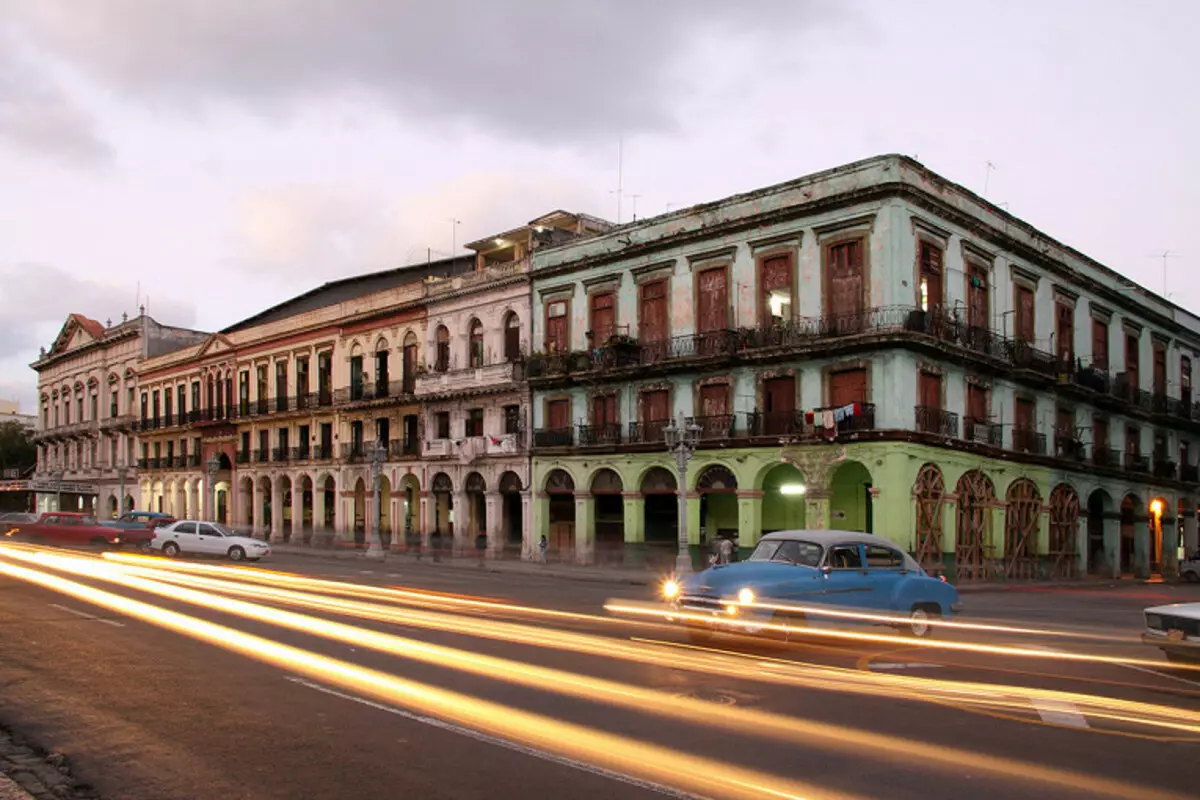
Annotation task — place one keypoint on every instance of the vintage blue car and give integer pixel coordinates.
(813, 578)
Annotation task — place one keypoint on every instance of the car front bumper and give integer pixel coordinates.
(1187, 646)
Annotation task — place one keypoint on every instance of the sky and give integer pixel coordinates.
(210, 158)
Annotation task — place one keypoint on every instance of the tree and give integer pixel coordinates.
(17, 450)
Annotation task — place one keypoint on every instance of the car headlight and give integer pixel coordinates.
(670, 590)
(746, 597)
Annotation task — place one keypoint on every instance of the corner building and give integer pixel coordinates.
(871, 348)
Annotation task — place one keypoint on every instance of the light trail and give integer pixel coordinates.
(610, 751)
(733, 624)
(694, 712)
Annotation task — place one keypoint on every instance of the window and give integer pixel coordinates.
(243, 393)
(281, 439)
(978, 297)
(1065, 423)
(95, 407)
(1185, 454)
(1185, 382)
(302, 440)
(245, 448)
(604, 410)
(883, 558)
(775, 277)
(845, 294)
(281, 381)
(558, 415)
(1064, 332)
(442, 349)
(1099, 343)
(185, 528)
(325, 378)
(301, 376)
(652, 316)
(931, 284)
(356, 377)
(557, 332)
(181, 400)
(1133, 441)
(512, 419)
(442, 424)
(474, 423)
(171, 451)
(512, 338)
(381, 373)
(1160, 368)
(113, 407)
(714, 400)
(1025, 322)
(260, 387)
(712, 300)
(1160, 447)
(977, 402)
(145, 407)
(356, 437)
(79, 408)
(929, 390)
(326, 439)
(1100, 444)
(845, 557)
(383, 430)
(1024, 416)
(475, 344)
(656, 406)
(1132, 359)
(264, 445)
(603, 321)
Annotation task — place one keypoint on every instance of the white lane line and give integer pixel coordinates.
(366, 572)
(1060, 713)
(908, 665)
(86, 615)
(1158, 674)
(493, 740)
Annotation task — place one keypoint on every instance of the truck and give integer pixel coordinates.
(66, 527)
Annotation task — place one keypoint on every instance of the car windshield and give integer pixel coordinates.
(221, 529)
(788, 551)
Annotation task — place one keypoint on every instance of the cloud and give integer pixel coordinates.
(541, 70)
(329, 231)
(39, 117)
(38, 298)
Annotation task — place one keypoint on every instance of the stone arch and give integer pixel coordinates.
(1102, 538)
(381, 344)
(441, 348)
(973, 528)
(1064, 529)
(784, 490)
(559, 481)
(658, 480)
(356, 348)
(510, 482)
(410, 338)
(929, 492)
(606, 481)
(851, 502)
(441, 483)
(474, 483)
(1022, 522)
(512, 335)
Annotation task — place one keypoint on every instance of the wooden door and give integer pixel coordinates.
(556, 327)
(512, 338)
(978, 300)
(1185, 383)
(410, 367)
(604, 318)
(1064, 332)
(1099, 435)
(712, 301)
(779, 401)
(932, 287)
(652, 320)
(848, 386)
(655, 407)
(844, 288)
(977, 402)
(929, 391)
(714, 400)
(1065, 423)
(1025, 322)
(1023, 420)
(776, 297)
(604, 410)
(1160, 369)
(1132, 360)
(1099, 344)
(558, 415)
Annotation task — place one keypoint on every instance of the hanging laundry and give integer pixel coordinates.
(827, 419)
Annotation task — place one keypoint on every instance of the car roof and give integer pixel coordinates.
(1190, 610)
(828, 537)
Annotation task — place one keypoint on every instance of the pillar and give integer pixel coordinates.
(528, 539)
(539, 506)
(462, 519)
(1112, 545)
(495, 523)
(585, 528)
(258, 501)
(816, 509)
(1170, 547)
(1141, 547)
(634, 506)
(1191, 539)
(749, 519)
(424, 520)
(949, 530)
(693, 520)
(276, 533)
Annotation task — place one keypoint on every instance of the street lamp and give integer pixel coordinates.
(682, 438)
(377, 452)
(214, 466)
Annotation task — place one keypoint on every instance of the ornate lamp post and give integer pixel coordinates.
(682, 438)
(121, 490)
(377, 452)
(214, 466)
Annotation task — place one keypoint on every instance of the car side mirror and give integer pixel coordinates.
(825, 570)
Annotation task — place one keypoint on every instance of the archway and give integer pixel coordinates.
(384, 512)
(129, 506)
(783, 499)
(1021, 520)
(660, 507)
(717, 486)
(112, 507)
(1064, 528)
(475, 488)
(514, 521)
(443, 509)
(607, 489)
(306, 508)
(360, 512)
(973, 528)
(851, 505)
(221, 498)
(1127, 554)
(245, 501)
(264, 488)
(560, 491)
(410, 507)
(286, 509)
(1100, 510)
(929, 493)
(329, 490)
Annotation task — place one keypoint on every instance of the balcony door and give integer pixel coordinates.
(410, 368)
(978, 299)
(844, 286)
(779, 404)
(847, 386)
(652, 320)
(558, 415)
(712, 301)
(604, 319)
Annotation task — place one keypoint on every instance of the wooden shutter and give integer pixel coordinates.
(1025, 322)
(977, 298)
(714, 400)
(844, 279)
(655, 407)
(848, 386)
(1024, 415)
(977, 402)
(604, 318)
(558, 414)
(652, 320)
(712, 301)
(1099, 434)
(931, 277)
(604, 409)
(556, 327)
(1064, 332)
(776, 277)
(1065, 425)
(930, 390)
(779, 395)
(1099, 344)
(1160, 369)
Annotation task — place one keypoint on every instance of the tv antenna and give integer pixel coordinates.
(987, 175)
(1165, 255)
(454, 223)
(619, 192)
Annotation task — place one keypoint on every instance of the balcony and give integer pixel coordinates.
(1166, 469)
(323, 452)
(553, 437)
(143, 463)
(505, 444)
(404, 448)
(1068, 446)
(821, 423)
(118, 422)
(180, 462)
(367, 392)
(437, 448)
(648, 432)
(983, 431)
(261, 456)
(436, 287)
(716, 427)
(459, 380)
(354, 452)
(1095, 378)
(262, 406)
(604, 435)
(1189, 473)
(1027, 440)
(281, 454)
(302, 453)
(936, 421)
(1135, 462)
(241, 457)
(1024, 355)
(1104, 456)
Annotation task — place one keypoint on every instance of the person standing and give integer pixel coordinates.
(543, 546)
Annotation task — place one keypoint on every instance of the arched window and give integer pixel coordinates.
(475, 351)
(442, 347)
(512, 337)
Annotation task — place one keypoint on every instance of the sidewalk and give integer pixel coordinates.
(645, 576)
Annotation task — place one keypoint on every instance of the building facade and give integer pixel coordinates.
(869, 348)
(87, 388)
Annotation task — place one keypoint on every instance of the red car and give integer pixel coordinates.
(65, 527)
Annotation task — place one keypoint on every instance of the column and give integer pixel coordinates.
(1170, 547)
(1190, 532)
(949, 532)
(259, 500)
(693, 519)
(495, 523)
(1042, 545)
(181, 508)
(424, 517)
(1141, 546)
(297, 493)
(276, 533)
(585, 528)
(816, 509)
(462, 518)
(749, 519)
(1112, 544)
(528, 539)
(320, 534)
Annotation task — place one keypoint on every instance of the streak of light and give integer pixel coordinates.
(611, 751)
(733, 624)
(694, 712)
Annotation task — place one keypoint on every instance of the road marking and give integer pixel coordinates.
(493, 740)
(906, 665)
(1158, 674)
(366, 572)
(86, 615)
(1060, 713)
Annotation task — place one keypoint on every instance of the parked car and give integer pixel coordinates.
(855, 575)
(194, 537)
(139, 519)
(66, 527)
(1174, 629)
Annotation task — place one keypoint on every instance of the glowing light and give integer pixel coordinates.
(670, 590)
(793, 489)
(1156, 507)
(746, 597)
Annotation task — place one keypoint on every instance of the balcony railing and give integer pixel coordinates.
(936, 421)
(553, 437)
(1189, 473)
(648, 432)
(180, 462)
(1104, 456)
(821, 423)
(404, 448)
(715, 427)
(470, 378)
(983, 431)
(367, 392)
(1135, 462)
(606, 434)
(281, 454)
(242, 457)
(353, 452)
(301, 453)
(323, 452)
(261, 456)
(1068, 446)
(1166, 469)
(1027, 440)
(493, 272)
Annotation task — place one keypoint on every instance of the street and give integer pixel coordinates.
(301, 677)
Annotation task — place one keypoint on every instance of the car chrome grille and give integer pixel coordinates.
(700, 602)
(1168, 622)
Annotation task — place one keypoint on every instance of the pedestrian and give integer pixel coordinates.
(543, 546)
(481, 547)
(725, 550)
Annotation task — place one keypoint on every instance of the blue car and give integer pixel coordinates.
(794, 576)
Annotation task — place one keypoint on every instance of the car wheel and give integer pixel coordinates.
(237, 553)
(145, 548)
(171, 550)
(1191, 577)
(921, 621)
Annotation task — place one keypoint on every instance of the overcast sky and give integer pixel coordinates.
(228, 154)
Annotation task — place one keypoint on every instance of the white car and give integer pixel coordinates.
(1174, 629)
(1189, 568)
(194, 537)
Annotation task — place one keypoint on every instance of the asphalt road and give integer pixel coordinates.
(147, 711)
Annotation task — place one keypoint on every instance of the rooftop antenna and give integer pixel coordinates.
(987, 175)
(670, 206)
(620, 175)
(635, 197)
(1164, 255)
(454, 223)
